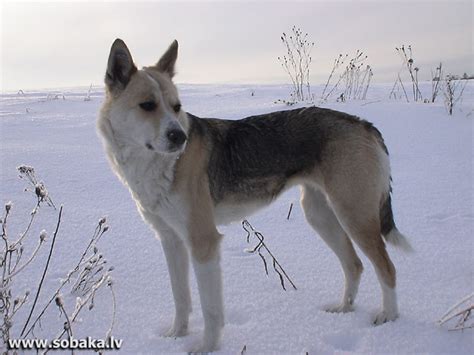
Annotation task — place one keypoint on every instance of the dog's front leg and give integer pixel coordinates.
(209, 280)
(177, 259)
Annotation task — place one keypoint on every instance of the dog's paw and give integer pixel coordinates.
(200, 349)
(209, 344)
(176, 331)
(340, 308)
(384, 317)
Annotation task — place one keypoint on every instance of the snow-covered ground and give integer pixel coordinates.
(432, 169)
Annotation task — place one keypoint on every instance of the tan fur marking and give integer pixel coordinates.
(353, 177)
(191, 181)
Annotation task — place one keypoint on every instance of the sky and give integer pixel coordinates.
(64, 44)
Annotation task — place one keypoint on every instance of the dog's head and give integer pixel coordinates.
(143, 106)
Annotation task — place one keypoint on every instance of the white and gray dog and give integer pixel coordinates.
(188, 174)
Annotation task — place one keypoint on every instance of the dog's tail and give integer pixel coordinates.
(388, 229)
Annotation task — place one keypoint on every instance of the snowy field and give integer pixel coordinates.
(432, 168)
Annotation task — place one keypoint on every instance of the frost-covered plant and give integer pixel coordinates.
(88, 95)
(90, 275)
(260, 248)
(406, 55)
(12, 257)
(296, 63)
(337, 63)
(462, 312)
(436, 79)
(354, 79)
(398, 86)
(453, 90)
(14, 262)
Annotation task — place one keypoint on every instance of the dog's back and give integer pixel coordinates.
(257, 156)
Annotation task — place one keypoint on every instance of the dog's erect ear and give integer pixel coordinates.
(168, 60)
(120, 66)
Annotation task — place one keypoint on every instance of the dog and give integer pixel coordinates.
(188, 174)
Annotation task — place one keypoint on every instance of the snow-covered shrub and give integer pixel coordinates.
(353, 82)
(406, 55)
(90, 273)
(453, 90)
(436, 78)
(296, 63)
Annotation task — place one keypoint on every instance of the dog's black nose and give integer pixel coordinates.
(176, 137)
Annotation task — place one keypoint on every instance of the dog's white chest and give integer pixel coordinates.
(149, 180)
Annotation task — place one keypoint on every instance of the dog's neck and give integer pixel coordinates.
(148, 174)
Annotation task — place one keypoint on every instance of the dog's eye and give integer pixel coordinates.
(177, 108)
(148, 106)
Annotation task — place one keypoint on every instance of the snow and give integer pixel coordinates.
(432, 168)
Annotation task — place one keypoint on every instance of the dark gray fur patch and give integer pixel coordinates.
(386, 216)
(253, 158)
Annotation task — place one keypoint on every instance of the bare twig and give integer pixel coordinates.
(114, 308)
(258, 248)
(289, 211)
(461, 311)
(45, 270)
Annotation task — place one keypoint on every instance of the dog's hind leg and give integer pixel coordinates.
(321, 217)
(361, 221)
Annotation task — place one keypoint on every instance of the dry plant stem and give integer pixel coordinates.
(33, 255)
(7, 247)
(337, 63)
(403, 87)
(452, 93)
(351, 77)
(371, 102)
(72, 318)
(114, 309)
(364, 96)
(289, 211)
(461, 328)
(67, 325)
(5, 291)
(32, 218)
(88, 95)
(99, 231)
(12, 254)
(408, 62)
(45, 270)
(335, 86)
(435, 80)
(296, 63)
(465, 314)
(445, 318)
(392, 92)
(21, 302)
(261, 244)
